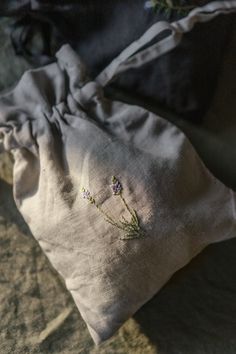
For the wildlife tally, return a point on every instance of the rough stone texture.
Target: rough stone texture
(194, 313)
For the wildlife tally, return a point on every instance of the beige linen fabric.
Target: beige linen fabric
(64, 136)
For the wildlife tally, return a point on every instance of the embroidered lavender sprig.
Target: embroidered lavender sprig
(131, 228)
(87, 195)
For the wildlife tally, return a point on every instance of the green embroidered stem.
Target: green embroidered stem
(108, 218)
(135, 216)
(126, 205)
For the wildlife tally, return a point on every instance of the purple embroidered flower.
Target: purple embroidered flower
(116, 186)
(87, 195)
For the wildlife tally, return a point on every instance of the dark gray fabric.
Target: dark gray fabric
(100, 30)
(185, 79)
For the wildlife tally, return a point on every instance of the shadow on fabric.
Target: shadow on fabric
(195, 312)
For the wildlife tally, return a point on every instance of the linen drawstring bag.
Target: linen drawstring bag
(116, 196)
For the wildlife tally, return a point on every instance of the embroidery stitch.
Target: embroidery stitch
(131, 228)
